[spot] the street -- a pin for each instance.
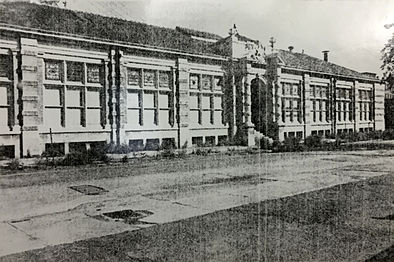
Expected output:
(249, 207)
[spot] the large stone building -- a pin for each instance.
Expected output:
(72, 79)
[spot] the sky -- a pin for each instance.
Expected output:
(353, 30)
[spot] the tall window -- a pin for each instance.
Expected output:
(150, 98)
(291, 102)
(6, 91)
(366, 105)
(320, 103)
(344, 103)
(206, 95)
(70, 100)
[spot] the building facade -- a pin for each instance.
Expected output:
(73, 80)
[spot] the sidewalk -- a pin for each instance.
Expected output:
(38, 216)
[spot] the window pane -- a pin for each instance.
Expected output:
(52, 97)
(149, 100)
(73, 117)
(52, 117)
(193, 82)
(74, 71)
(93, 73)
(295, 89)
(206, 82)
(218, 117)
(133, 77)
(193, 102)
(194, 119)
(133, 99)
(217, 83)
(206, 102)
(93, 116)
(5, 65)
(149, 117)
(92, 98)
(3, 116)
(133, 117)
(206, 117)
(3, 95)
(164, 100)
(164, 118)
(53, 70)
(149, 78)
(73, 97)
(164, 79)
(217, 102)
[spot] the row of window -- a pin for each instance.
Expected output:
(4, 105)
(344, 94)
(205, 82)
(150, 108)
(72, 106)
(148, 78)
(366, 111)
(206, 109)
(318, 91)
(345, 111)
(291, 89)
(365, 95)
(74, 71)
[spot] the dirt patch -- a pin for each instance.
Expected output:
(389, 217)
(128, 216)
(89, 189)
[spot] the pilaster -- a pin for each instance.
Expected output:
(378, 102)
(122, 100)
(307, 106)
(29, 91)
(356, 106)
(247, 109)
(184, 139)
(333, 105)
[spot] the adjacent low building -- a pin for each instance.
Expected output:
(72, 80)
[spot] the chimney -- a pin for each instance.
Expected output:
(291, 48)
(325, 55)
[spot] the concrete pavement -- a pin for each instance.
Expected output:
(37, 216)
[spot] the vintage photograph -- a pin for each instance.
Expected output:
(197, 130)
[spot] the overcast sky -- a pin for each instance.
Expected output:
(353, 30)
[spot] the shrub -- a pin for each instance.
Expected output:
(168, 153)
(388, 134)
(182, 153)
(290, 144)
(125, 159)
(15, 164)
(117, 149)
(85, 157)
(202, 151)
(265, 143)
(313, 142)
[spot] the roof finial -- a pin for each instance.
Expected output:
(233, 30)
(272, 43)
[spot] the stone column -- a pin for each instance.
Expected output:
(333, 101)
(307, 106)
(28, 84)
(184, 138)
(378, 101)
(122, 103)
(356, 106)
(247, 109)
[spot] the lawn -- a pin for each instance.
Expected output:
(348, 222)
